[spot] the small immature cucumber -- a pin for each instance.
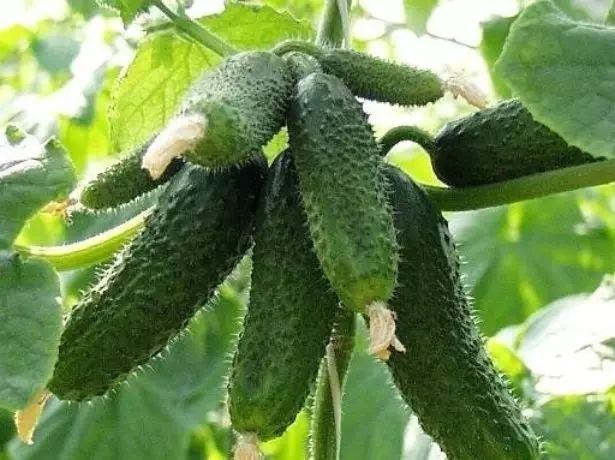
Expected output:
(447, 377)
(289, 318)
(124, 181)
(497, 144)
(197, 233)
(373, 78)
(343, 190)
(244, 104)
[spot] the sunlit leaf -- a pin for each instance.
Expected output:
(418, 13)
(577, 427)
(562, 70)
(568, 344)
(30, 327)
(31, 175)
(166, 64)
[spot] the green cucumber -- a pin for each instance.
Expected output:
(497, 144)
(370, 77)
(197, 233)
(373, 78)
(289, 318)
(446, 377)
(343, 190)
(244, 103)
(124, 181)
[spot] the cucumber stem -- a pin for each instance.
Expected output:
(87, 252)
(406, 133)
(522, 188)
(326, 426)
(289, 46)
(196, 31)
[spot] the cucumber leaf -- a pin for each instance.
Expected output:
(31, 175)
(522, 256)
(495, 32)
(418, 13)
(577, 427)
(563, 71)
(129, 9)
(30, 327)
(166, 64)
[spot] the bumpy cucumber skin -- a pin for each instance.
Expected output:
(290, 316)
(376, 79)
(446, 376)
(124, 181)
(343, 190)
(499, 143)
(198, 232)
(244, 101)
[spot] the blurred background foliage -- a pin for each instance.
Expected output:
(537, 270)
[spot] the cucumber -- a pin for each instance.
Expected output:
(242, 104)
(373, 78)
(343, 190)
(124, 181)
(289, 318)
(447, 377)
(497, 144)
(197, 233)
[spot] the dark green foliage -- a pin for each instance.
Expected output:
(196, 235)
(446, 376)
(124, 181)
(343, 190)
(497, 144)
(244, 102)
(376, 79)
(7, 428)
(290, 316)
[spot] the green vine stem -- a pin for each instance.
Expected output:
(523, 188)
(87, 252)
(406, 133)
(326, 416)
(288, 46)
(506, 192)
(196, 31)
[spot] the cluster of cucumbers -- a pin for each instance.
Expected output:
(331, 228)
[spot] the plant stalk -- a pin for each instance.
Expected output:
(331, 26)
(522, 188)
(326, 416)
(90, 251)
(196, 31)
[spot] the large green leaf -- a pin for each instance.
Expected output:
(30, 327)
(417, 14)
(166, 64)
(31, 175)
(128, 9)
(522, 256)
(577, 427)
(373, 415)
(562, 70)
(568, 345)
(151, 416)
(495, 32)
